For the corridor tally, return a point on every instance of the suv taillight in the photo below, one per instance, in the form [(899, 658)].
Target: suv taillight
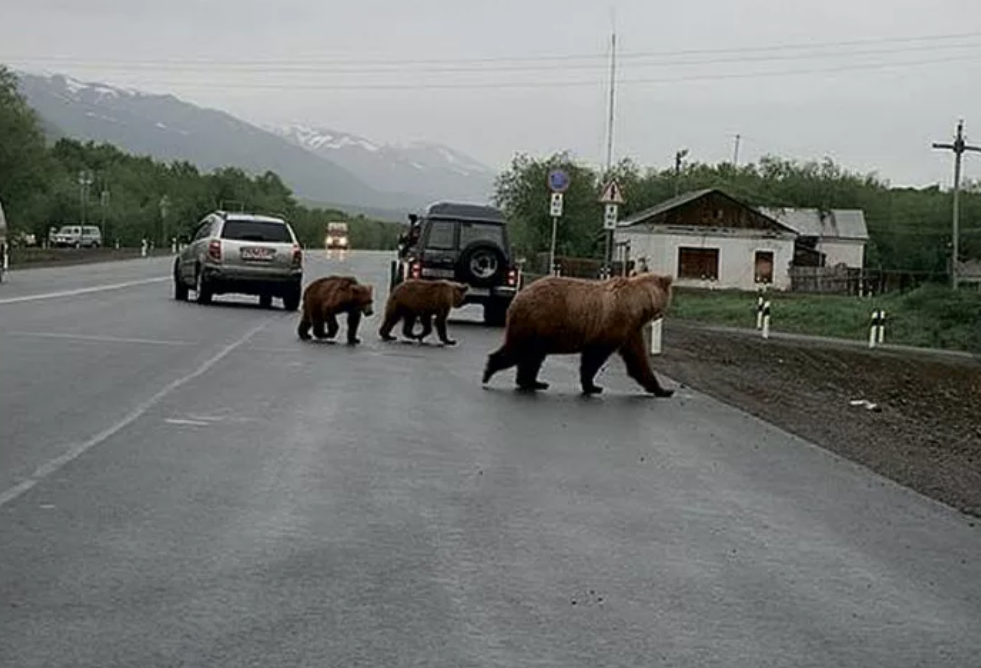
[(214, 250), (513, 277), (415, 270), (297, 256)]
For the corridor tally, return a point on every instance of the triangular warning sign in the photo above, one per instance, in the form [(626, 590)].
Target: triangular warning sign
[(612, 194)]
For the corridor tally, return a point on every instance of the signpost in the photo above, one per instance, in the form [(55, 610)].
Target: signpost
[(612, 197), (558, 183)]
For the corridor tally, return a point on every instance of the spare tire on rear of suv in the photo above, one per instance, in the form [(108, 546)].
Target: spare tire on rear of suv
[(481, 264)]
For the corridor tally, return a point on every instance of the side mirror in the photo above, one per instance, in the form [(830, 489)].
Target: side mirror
[(413, 218)]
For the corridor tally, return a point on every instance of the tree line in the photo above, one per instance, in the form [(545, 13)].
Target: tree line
[(909, 228), (135, 197)]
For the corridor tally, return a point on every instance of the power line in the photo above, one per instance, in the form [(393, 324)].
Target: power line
[(538, 84), (454, 61)]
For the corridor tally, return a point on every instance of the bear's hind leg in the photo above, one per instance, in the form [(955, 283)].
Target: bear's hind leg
[(634, 354), (499, 360), (529, 364), (332, 326), (303, 329), (590, 362), (317, 321), (427, 327), (392, 316)]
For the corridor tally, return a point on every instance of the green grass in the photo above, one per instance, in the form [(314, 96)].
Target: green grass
[(931, 316)]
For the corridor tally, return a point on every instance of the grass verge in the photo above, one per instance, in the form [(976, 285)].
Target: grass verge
[(932, 316)]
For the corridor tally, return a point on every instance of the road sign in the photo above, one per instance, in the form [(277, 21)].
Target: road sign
[(612, 193), (610, 217), (555, 209), (558, 181)]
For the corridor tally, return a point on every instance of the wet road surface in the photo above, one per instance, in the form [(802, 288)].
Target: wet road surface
[(190, 485)]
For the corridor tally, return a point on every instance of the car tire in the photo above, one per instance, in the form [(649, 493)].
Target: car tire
[(393, 275), (265, 301), (180, 288), (201, 290), (489, 257), (291, 300), (496, 313)]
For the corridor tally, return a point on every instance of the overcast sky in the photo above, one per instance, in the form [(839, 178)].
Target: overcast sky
[(495, 78)]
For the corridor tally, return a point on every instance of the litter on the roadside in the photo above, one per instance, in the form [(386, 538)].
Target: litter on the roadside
[(865, 403)]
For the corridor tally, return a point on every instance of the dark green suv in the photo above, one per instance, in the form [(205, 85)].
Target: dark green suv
[(467, 243)]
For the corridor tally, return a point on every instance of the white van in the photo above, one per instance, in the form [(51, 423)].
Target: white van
[(77, 236)]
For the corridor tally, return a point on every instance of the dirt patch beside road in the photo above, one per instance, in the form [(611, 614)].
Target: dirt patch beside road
[(926, 434)]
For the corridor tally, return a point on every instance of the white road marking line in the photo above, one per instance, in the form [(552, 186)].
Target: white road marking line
[(79, 449), (82, 291), (191, 423), (100, 339)]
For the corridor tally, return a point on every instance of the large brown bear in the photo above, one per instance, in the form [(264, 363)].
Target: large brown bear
[(558, 315), (421, 299), (326, 298)]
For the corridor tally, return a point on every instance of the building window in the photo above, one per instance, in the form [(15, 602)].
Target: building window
[(698, 263), (764, 266)]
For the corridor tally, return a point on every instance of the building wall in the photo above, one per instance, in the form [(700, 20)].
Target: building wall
[(737, 254), (843, 251)]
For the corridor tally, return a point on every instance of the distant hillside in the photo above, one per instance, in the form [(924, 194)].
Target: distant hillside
[(167, 128), (426, 170)]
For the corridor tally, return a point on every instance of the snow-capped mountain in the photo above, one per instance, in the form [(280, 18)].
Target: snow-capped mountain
[(335, 168), (429, 170)]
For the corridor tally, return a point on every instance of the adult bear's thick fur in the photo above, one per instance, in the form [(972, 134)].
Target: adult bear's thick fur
[(326, 298), (558, 315)]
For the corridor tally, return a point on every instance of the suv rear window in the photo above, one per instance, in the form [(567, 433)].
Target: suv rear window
[(441, 235), (471, 232), (254, 230)]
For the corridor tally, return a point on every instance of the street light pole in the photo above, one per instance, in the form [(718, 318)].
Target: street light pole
[(678, 157), (959, 147)]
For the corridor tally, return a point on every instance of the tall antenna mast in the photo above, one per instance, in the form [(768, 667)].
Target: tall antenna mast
[(613, 90)]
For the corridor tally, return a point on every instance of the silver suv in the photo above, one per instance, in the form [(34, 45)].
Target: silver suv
[(77, 236), (239, 253)]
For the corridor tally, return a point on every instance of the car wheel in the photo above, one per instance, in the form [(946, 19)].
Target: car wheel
[(201, 289), (291, 300), (496, 313), (180, 288), (481, 265)]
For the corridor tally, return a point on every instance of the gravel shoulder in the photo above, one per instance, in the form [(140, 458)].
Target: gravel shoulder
[(925, 432)]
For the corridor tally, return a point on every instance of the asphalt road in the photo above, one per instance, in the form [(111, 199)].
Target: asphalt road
[(192, 486)]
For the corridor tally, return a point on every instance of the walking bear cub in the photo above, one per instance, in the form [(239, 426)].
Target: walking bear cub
[(326, 298), (558, 315), (421, 299)]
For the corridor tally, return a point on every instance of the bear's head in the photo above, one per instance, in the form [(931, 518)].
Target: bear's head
[(459, 293), (364, 297), (657, 289)]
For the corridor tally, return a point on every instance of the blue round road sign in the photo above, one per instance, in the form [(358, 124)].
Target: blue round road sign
[(558, 181)]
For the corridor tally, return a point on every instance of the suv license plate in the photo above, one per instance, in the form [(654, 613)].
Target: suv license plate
[(254, 253), (438, 273)]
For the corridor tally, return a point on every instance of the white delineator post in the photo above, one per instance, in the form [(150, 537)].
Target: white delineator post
[(877, 331), (143, 249), (6, 258), (173, 246), (656, 333), (766, 319)]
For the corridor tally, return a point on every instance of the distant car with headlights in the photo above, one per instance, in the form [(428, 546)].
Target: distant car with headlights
[(337, 237), (241, 253)]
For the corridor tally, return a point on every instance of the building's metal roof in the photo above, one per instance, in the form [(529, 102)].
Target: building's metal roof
[(834, 224), (664, 206), (688, 197)]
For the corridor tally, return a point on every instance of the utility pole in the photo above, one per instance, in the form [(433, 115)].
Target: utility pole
[(735, 152), (104, 204), (959, 147), (608, 251), (164, 210), (678, 157), (84, 181)]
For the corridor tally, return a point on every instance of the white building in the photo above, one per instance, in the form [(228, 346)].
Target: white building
[(708, 239), (840, 235)]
